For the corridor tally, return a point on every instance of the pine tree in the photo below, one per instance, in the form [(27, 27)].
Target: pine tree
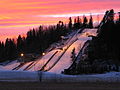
[(2, 49), (10, 50), (90, 22), (75, 22), (70, 23), (85, 21), (20, 45), (79, 23), (73, 56)]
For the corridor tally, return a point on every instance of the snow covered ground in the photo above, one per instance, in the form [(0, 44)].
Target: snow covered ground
[(37, 76), (10, 65)]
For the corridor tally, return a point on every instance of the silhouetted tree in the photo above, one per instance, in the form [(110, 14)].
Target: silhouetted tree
[(10, 50), (85, 21), (20, 44), (77, 23), (2, 51), (90, 24), (73, 56), (70, 23)]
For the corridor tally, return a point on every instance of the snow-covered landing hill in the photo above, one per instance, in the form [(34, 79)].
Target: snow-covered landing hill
[(57, 60)]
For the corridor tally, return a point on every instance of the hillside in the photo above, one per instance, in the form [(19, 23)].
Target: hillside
[(102, 53)]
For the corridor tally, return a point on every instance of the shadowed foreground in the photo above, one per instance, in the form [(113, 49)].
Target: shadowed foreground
[(58, 86)]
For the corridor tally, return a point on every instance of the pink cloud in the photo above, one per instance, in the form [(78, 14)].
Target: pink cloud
[(18, 15)]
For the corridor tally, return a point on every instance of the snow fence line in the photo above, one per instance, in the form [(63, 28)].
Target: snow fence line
[(26, 76)]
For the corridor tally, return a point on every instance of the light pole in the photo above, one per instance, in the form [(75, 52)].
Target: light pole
[(22, 55)]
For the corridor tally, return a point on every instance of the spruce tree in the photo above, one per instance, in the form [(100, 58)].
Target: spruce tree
[(90, 25), (85, 21), (70, 23)]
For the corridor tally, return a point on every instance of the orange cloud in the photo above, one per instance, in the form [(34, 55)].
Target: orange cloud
[(18, 15)]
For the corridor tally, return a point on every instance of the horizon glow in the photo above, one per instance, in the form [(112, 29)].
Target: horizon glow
[(19, 16)]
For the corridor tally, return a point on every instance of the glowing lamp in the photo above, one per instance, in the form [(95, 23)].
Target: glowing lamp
[(21, 54), (43, 54)]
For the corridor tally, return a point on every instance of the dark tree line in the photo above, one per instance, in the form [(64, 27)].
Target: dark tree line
[(39, 39), (109, 34), (36, 41), (104, 50), (79, 24)]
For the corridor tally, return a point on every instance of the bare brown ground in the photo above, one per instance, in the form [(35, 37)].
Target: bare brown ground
[(58, 86)]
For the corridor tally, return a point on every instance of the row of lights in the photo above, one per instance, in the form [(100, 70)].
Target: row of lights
[(23, 54)]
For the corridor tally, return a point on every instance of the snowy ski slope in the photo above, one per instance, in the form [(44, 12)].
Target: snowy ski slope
[(58, 59)]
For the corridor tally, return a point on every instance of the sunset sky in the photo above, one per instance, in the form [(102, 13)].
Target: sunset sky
[(18, 16)]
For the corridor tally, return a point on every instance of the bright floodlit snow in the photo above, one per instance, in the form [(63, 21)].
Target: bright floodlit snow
[(66, 60)]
